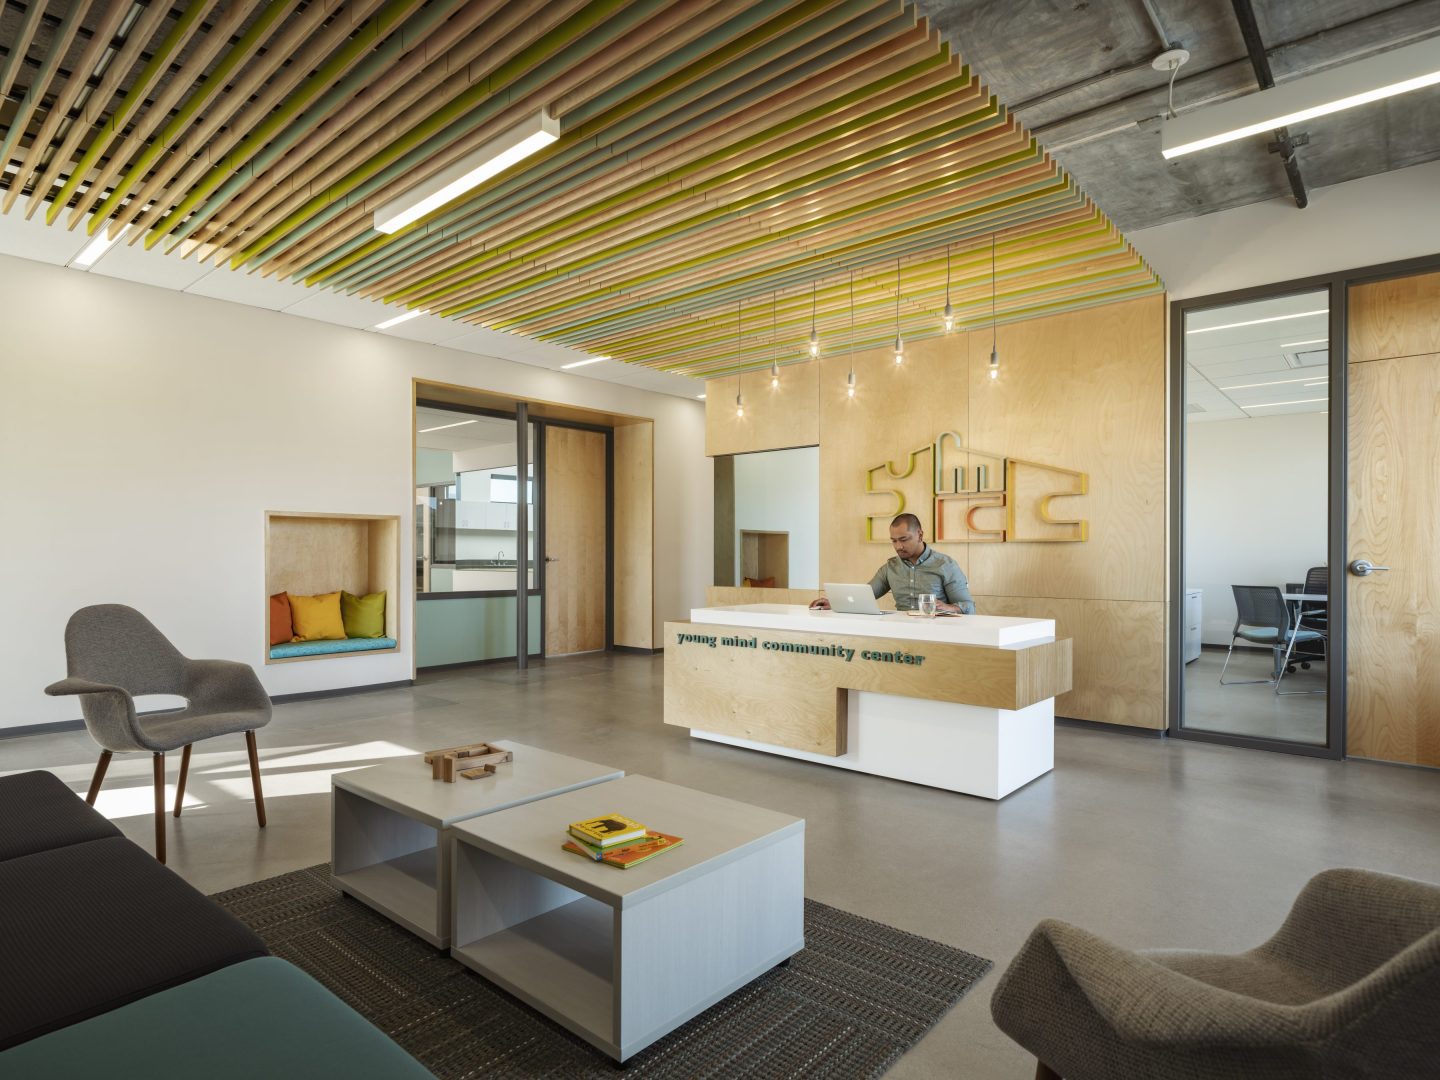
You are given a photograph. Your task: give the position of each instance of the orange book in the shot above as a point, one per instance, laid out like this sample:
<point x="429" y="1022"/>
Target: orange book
<point x="630" y="854"/>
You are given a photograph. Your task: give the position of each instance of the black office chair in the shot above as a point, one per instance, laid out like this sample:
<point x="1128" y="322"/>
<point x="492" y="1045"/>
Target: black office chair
<point x="1264" y="618"/>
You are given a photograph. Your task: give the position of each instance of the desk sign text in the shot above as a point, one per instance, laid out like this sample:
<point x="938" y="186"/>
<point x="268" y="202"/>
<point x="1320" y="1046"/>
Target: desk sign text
<point x="847" y="654"/>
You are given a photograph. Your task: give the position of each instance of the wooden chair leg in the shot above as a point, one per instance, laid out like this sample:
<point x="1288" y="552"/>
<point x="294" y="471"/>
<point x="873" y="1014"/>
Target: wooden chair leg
<point x="184" y="772"/>
<point x="100" y="767"/>
<point x="159" y="759"/>
<point x="255" y="777"/>
<point x="1044" y="1072"/>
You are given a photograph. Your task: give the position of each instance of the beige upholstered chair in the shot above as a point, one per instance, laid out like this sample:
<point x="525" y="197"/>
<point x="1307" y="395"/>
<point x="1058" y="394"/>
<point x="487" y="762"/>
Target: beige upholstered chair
<point x="1349" y="986"/>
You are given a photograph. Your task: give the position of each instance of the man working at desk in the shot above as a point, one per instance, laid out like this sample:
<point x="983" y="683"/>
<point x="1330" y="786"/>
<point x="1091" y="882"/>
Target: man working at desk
<point x="918" y="568"/>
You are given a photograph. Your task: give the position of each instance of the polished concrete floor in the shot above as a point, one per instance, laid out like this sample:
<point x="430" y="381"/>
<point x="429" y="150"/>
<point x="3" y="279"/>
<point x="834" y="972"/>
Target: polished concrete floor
<point x="1148" y="842"/>
<point x="1253" y="708"/>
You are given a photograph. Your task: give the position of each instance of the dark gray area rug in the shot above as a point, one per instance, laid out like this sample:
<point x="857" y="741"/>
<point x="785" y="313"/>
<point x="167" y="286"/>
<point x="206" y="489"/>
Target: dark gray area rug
<point x="856" y="998"/>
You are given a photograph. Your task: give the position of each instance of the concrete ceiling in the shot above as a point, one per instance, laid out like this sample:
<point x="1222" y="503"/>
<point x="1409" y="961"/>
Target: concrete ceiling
<point x="1078" y="74"/>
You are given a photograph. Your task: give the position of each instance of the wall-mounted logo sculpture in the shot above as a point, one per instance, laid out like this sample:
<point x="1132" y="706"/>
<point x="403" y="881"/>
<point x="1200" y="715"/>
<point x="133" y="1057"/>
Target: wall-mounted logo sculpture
<point x="980" y="497"/>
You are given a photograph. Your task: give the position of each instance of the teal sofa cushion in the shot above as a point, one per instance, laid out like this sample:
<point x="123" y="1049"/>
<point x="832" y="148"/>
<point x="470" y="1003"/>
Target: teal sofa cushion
<point x="321" y="648"/>
<point x="259" y="1018"/>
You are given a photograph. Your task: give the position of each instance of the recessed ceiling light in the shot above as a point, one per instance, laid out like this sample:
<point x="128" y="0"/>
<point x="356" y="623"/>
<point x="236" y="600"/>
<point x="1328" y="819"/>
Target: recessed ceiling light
<point x="582" y="363"/>
<point x="1257" y="322"/>
<point x="398" y="319"/>
<point x="525" y="138"/>
<point x="1273" y="404"/>
<point x="1274" y="382"/>
<point x="442" y="427"/>
<point x="1386" y="74"/>
<point x="1297" y="344"/>
<point x="97" y="247"/>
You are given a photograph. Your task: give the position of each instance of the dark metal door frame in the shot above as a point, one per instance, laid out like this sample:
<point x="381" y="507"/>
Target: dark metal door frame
<point x="1338" y="286"/>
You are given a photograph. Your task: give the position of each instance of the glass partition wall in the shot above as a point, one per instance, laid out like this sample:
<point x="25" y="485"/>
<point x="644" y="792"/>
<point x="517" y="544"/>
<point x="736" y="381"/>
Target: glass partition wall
<point x="469" y="534"/>
<point x="1255" y="513"/>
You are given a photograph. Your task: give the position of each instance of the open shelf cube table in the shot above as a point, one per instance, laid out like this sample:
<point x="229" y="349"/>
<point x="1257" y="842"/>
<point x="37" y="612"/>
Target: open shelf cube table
<point x="622" y="957"/>
<point x="388" y="826"/>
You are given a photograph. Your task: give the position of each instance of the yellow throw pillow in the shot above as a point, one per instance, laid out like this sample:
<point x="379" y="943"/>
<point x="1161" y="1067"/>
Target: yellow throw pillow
<point x="317" y="618"/>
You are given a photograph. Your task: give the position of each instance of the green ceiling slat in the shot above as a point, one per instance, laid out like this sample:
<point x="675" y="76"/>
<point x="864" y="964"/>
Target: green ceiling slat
<point x="631" y="133"/>
<point x="820" y="180"/>
<point x="760" y="138"/>
<point x="594" y="26"/>
<point x="767" y="239"/>
<point x="375" y="29"/>
<point x="158" y="62"/>
<point x="726" y="290"/>
<point x="394" y="46"/>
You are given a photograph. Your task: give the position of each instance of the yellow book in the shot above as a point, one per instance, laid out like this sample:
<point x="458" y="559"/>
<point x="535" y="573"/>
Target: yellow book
<point x="607" y="830"/>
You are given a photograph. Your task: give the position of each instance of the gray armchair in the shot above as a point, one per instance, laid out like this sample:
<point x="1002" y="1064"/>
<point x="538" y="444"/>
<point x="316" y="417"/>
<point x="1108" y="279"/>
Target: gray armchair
<point x="113" y="653"/>
<point x="1349" y="986"/>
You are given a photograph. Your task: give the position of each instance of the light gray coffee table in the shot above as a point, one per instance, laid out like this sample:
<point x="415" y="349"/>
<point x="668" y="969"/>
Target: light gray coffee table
<point x="388" y="822"/>
<point x="622" y="957"/>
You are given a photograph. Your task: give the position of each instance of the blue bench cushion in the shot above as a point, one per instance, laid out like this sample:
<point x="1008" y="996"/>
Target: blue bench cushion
<point x="258" y="1018"/>
<point x="323" y="648"/>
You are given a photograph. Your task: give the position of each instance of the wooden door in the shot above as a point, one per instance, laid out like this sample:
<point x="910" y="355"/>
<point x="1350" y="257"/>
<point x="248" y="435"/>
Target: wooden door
<point x="575" y="549"/>
<point x="1393" y="623"/>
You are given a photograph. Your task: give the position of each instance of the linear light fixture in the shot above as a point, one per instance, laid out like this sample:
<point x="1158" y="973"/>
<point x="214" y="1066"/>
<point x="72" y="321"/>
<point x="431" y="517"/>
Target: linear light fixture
<point x="442" y="427"/>
<point x="1257" y="322"/>
<point x="1273" y="382"/>
<point x="398" y="319"/>
<point x="97" y="247"/>
<point x="1273" y="404"/>
<point x="583" y="363"/>
<point x="525" y="138"/>
<point x="1297" y="344"/>
<point x="1386" y="74"/>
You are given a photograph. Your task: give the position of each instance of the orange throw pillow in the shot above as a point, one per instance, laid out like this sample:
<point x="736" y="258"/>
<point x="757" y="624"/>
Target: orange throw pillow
<point x="281" y="628"/>
<point x="760" y="583"/>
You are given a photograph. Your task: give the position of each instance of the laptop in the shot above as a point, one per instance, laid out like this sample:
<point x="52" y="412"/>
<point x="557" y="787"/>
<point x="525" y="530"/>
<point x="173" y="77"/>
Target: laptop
<point x="852" y="599"/>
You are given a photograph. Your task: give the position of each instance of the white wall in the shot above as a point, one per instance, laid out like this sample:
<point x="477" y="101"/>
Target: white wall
<point x="1256" y="508"/>
<point x="143" y="433"/>
<point x="779" y="491"/>
<point x="1375" y="220"/>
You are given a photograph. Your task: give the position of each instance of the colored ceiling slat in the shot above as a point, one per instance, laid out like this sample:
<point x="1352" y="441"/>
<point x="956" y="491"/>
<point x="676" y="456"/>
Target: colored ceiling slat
<point x="711" y="153"/>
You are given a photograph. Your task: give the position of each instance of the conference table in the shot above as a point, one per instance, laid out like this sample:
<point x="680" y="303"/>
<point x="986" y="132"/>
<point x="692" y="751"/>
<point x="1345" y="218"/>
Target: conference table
<point x="965" y="703"/>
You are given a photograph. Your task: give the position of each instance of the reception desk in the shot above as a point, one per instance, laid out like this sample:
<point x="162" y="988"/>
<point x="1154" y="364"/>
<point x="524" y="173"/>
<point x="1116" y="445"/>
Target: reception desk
<point x="966" y="704"/>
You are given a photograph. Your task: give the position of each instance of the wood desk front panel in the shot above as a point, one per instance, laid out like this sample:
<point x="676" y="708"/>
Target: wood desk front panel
<point x="769" y="694"/>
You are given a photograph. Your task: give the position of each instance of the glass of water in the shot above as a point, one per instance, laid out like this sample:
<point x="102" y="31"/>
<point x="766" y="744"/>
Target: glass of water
<point x="925" y="604"/>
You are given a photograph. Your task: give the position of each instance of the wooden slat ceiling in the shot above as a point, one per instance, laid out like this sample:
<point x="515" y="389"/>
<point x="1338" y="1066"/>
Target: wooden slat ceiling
<point x="721" y="163"/>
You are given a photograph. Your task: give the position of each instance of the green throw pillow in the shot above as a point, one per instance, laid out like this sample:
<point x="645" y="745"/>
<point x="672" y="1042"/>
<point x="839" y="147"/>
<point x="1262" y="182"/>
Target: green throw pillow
<point x="364" y="616"/>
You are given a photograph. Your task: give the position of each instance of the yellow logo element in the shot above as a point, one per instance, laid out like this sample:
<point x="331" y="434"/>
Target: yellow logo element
<point x="980" y="497"/>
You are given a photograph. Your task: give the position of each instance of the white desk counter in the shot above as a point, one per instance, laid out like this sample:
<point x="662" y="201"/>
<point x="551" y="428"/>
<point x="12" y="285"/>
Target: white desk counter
<point x="963" y="703"/>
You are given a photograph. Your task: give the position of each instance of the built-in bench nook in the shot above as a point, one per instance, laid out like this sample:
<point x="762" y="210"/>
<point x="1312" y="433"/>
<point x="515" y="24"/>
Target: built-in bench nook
<point x="311" y="554"/>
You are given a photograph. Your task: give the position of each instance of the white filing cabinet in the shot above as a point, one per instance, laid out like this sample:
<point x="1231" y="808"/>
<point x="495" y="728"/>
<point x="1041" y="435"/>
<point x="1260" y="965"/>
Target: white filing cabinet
<point x="1192" y="625"/>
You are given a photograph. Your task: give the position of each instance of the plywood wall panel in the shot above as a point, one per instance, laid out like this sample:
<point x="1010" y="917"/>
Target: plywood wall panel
<point x="1082" y="391"/>
<point x="776" y="417"/>
<point x="1119" y="655"/>
<point x="1397" y="317"/>
<point x="634" y="555"/>
<point x="575" y="541"/>
<point x="896" y="409"/>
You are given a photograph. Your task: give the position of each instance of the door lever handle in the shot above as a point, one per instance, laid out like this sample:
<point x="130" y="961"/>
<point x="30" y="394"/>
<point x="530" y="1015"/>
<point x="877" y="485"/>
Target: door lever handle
<point x="1364" y="568"/>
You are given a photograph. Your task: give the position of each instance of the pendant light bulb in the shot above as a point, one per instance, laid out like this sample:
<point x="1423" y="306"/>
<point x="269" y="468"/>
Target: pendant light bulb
<point x="739" y="405"/>
<point x="899" y="342"/>
<point x="994" y="338"/>
<point x="814" y="334"/>
<point x="850" y="345"/>
<point x="948" y="318"/>
<point x="994" y="364"/>
<point x="774" y="374"/>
